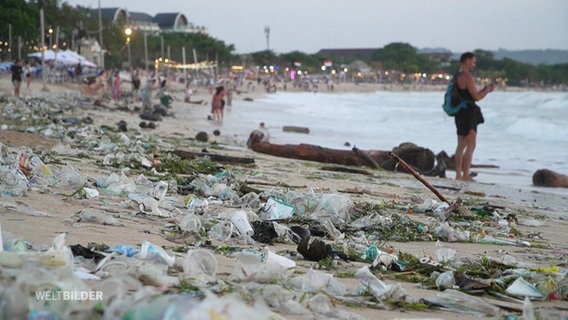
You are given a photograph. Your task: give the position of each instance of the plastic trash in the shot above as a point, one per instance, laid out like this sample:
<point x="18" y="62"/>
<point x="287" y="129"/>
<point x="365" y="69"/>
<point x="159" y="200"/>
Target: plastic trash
<point x="427" y="205"/>
<point x="445" y="255"/>
<point x="91" y="193"/>
<point x="200" y="264"/>
<point x="375" y="286"/>
<point x="160" y="190"/>
<point x="150" y="206"/>
<point x="335" y="207"/>
<point x="302" y="203"/>
<point x="228" y="194"/>
<point x="381" y="257"/>
<point x="190" y="222"/>
<point x="251" y="201"/>
<point x="149" y="251"/>
<point x="221" y="231"/>
<point x="528" y="310"/>
<point x="446" y="280"/>
<point x="276" y="209"/>
<point x="11" y="259"/>
<point x="128" y="251"/>
<point x="240" y="220"/>
<point x="58" y="254"/>
<point x="331" y="230"/>
<point x="523" y="288"/>
<point x="316" y="281"/>
<point x="71" y="177"/>
<point x="264" y="266"/>
<point x="461" y="302"/>
<point x="13" y="182"/>
<point x="446" y="232"/>
<point x="92" y="216"/>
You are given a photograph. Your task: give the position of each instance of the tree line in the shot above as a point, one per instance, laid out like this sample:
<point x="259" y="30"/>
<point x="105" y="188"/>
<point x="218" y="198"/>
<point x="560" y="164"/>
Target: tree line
<point x="21" y="21"/>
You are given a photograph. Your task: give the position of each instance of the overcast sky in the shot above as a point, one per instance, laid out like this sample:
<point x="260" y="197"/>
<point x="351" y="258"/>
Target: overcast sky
<point x="311" y="25"/>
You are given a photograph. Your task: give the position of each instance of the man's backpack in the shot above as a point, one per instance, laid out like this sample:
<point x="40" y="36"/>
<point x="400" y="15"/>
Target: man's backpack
<point x="453" y="102"/>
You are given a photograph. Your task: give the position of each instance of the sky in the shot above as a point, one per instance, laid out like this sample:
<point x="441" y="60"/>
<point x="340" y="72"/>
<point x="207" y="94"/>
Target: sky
<point x="311" y="25"/>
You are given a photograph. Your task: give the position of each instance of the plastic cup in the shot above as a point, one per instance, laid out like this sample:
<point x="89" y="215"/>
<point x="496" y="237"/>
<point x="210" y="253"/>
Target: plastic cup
<point x="160" y="190"/>
<point x="201" y="264"/>
<point x="152" y="252"/>
<point x="240" y="220"/>
<point x="150" y="206"/>
<point x="274" y="260"/>
<point x="190" y="222"/>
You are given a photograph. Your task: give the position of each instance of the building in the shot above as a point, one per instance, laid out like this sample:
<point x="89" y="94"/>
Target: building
<point x="140" y="22"/>
<point x="161" y="22"/>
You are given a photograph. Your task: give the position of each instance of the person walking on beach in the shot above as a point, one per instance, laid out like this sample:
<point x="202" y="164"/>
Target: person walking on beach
<point x="230" y="90"/>
<point x="28" y="75"/>
<point x="135" y="81"/>
<point x="467" y="119"/>
<point x="188" y="92"/>
<point x="146" y="95"/>
<point x="217" y="104"/>
<point x="17" y="70"/>
<point x="116" y="91"/>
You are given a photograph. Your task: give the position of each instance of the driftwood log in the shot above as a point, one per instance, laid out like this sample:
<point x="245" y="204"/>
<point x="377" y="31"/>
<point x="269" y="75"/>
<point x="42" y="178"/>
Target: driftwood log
<point x="420" y="159"/>
<point x="549" y="178"/>
<point x="296" y="129"/>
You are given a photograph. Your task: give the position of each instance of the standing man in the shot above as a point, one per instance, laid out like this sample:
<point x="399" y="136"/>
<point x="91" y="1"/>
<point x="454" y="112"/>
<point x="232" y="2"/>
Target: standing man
<point x="17" y="76"/>
<point x="468" y="118"/>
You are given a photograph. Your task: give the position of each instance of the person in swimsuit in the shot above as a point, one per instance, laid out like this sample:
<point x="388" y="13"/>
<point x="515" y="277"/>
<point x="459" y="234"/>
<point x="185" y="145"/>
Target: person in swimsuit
<point x="468" y="118"/>
<point x="218" y="103"/>
<point x="17" y="70"/>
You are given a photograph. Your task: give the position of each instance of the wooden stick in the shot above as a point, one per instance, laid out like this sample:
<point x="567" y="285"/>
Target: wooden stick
<point x="417" y="176"/>
<point x="214" y="157"/>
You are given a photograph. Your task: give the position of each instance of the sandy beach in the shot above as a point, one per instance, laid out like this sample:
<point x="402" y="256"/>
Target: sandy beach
<point x="540" y="224"/>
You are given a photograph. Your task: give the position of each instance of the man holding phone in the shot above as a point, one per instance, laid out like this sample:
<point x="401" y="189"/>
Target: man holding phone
<point x="468" y="118"/>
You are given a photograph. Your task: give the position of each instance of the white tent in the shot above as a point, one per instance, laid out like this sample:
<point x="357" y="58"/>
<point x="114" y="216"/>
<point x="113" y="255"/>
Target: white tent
<point x="66" y="57"/>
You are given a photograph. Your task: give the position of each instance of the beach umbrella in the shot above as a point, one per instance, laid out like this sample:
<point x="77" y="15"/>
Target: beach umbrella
<point x="84" y="61"/>
<point x="65" y="57"/>
<point x="49" y="55"/>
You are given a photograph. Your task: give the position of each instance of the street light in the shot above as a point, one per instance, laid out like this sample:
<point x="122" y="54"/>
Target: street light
<point x="128" y="32"/>
<point x="50" y="31"/>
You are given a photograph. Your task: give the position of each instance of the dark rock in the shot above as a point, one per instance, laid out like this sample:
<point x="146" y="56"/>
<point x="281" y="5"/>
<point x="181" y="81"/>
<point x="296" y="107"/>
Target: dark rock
<point x="202" y="136"/>
<point x="122" y="126"/>
<point x="549" y="178"/>
<point x="150" y="116"/>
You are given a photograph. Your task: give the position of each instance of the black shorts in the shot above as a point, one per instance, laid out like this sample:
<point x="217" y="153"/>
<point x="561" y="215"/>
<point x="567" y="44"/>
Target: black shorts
<point x="467" y="119"/>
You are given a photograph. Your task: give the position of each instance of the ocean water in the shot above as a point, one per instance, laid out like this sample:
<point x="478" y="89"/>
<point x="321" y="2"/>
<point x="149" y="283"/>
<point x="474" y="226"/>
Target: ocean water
<point x="523" y="131"/>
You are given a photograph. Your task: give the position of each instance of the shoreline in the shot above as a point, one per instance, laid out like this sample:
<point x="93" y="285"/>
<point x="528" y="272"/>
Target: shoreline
<point x="396" y="192"/>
